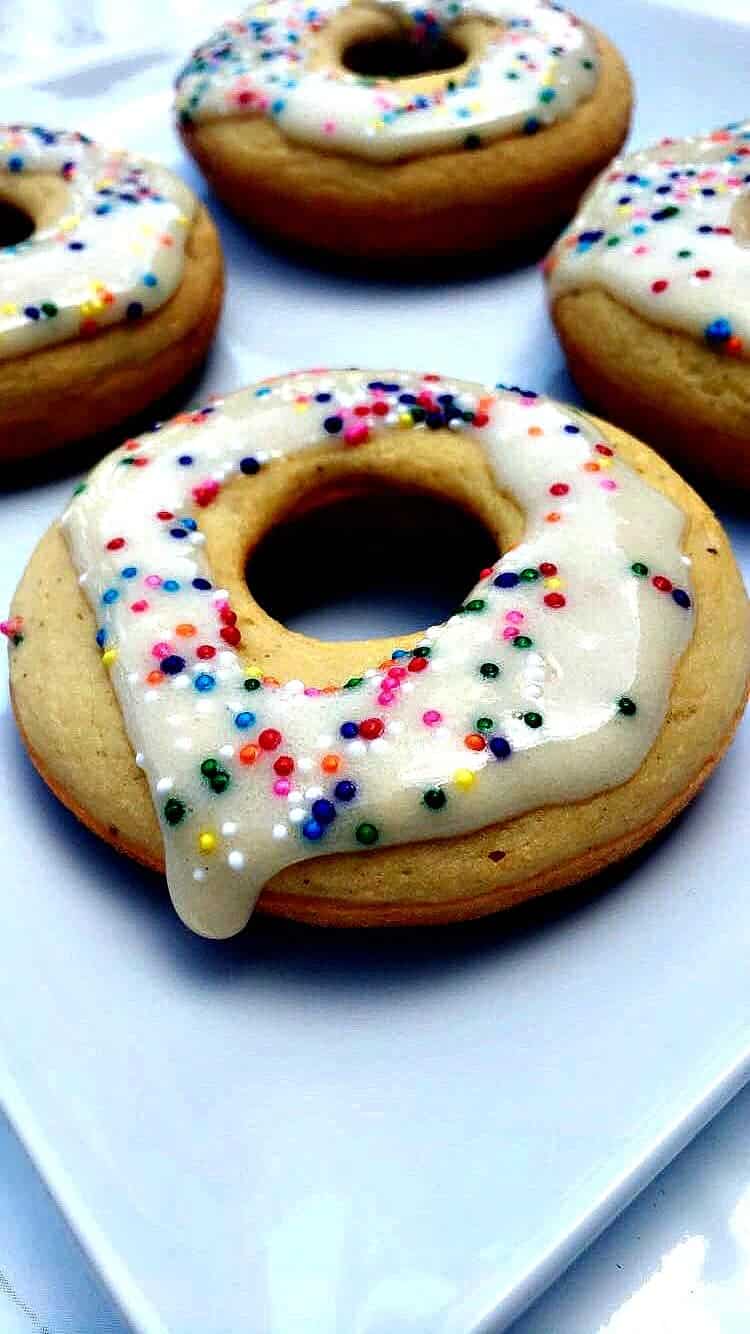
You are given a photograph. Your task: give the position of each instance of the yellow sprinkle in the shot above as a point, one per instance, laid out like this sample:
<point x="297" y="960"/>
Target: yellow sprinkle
<point x="86" y="308"/>
<point x="68" y="224"/>
<point x="96" y="306"/>
<point x="464" y="779"/>
<point x="625" y="210"/>
<point x="8" y="308"/>
<point x="183" y="219"/>
<point x="301" y="407"/>
<point x="404" y="420"/>
<point x="109" y="656"/>
<point x="206" y="841"/>
<point x="605" y="462"/>
<point x="553" y="582"/>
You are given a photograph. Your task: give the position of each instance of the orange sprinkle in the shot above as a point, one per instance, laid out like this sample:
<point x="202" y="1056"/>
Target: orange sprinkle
<point x="330" y="763"/>
<point x="155" y="677"/>
<point x="474" y="741"/>
<point x="553" y="517"/>
<point x="185" y="629"/>
<point x="591" y="467"/>
<point x="535" y="430"/>
<point x="733" y="346"/>
<point x="249" y="753"/>
<point x="270" y="681"/>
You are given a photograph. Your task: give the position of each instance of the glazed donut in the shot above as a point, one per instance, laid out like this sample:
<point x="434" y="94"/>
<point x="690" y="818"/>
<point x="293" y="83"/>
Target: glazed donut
<point x="502" y="116"/>
<point x="650" y="294"/>
<point x="110" y="301"/>
<point x="550" y="726"/>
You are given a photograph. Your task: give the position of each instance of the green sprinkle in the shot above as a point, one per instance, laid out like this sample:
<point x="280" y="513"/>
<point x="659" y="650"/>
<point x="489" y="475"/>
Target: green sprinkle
<point x="626" y="706"/>
<point x="489" y="670"/>
<point x="209" y="768"/>
<point x="529" y="574"/>
<point x="252" y="683"/>
<point x="639" y="568"/>
<point x="434" y="798"/>
<point x="366" y="834"/>
<point x="476" y="604"/>
<point x="533" y="719"/>
<point x="353" y="682"/>
<point x="174" y="810"/>
<point x="484" y="724"/>
<point x="522" y="641"/>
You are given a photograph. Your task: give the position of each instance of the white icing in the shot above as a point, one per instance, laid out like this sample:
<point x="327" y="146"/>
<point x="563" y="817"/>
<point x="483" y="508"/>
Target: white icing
<point x="689" y="270"/>
<point x="113" y="250"/>
<point x="536" y="65"/>
<point x="617" y="636"/>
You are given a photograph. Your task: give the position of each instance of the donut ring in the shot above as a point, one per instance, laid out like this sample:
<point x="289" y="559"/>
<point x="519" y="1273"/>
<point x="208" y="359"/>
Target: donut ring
<point x="300" y="146"/>
<point x="553" y="725"/>
<point x="113" y="298"/>
<point x="649" y="291"/>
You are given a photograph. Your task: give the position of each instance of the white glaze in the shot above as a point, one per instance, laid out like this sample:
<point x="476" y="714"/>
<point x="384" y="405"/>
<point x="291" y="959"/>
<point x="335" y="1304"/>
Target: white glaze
<point x="710" y="283"/>
<point x="538" y="64"/>
<point x="617" y="636"/>
<point x="92" y="265"/>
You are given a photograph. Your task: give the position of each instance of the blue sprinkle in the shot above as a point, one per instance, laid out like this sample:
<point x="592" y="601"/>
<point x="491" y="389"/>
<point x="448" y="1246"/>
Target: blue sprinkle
<point x="202" y="584"/>
<point x="110" y="595"/>
<point x="150" y="280"/>
<point x="244" y="720"/>
<point x="170" y="586"/>
<point x="324" y="812"/>
<point x="312" y="830"/>
<point x="101" y="637"/>
<point x="129" y="571"/>
<point x="506" y="580"/>
<point x="185" y="460"/>
<point x="172" y="664"/>
<point x="681" y="598"/>
<point x="500" y="747"/>
<point x="348" y="730"/>
<point x="345" y="790"/>
<point x="178" y="532"/>
<point x="203" y="681"/>
<point x="249" y="466"/>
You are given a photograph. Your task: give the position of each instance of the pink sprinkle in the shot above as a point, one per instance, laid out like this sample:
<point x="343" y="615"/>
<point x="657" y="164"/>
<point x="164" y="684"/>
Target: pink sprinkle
<point x="510" y="632"/>
<point x="607" y="484"/>
<point x="329" y="127"/>
<point x="431" y="717"/>
<point x="282" y="787"/>
<point x="515" y="617"/>
<point x="640" y="250"/>
<point x="385" y="698"/>
<point x="356" y="434"/>
<point x="152" y="581"/>
<point x="312" y="691"/>
<point x="140" y="605"/>
<point x="161" y="650"/>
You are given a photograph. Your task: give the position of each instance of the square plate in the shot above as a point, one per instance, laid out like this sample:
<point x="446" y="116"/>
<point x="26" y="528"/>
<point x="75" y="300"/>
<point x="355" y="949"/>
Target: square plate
<point x="306" y="1132"/>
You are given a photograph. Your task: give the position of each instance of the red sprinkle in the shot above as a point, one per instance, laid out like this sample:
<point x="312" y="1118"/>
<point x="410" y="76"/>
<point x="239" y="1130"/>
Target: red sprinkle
<point x="115" y="543"/>
<point x="370" y="728"/>
<point x="663" y="584"/>
<point x="554" y="600"/>
<point x="269" y="739"/>
<point x="559" y="489"/>
<point x="417" y="664"/>
<point x="205" y="651"/>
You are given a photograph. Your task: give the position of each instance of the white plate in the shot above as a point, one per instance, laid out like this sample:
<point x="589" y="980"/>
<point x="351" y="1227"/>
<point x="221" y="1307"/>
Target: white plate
<point x="316" y="1133"/>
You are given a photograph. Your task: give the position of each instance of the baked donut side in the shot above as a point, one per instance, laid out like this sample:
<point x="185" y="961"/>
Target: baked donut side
<point x="504" y="192"/>
<point x="74" y="729"/>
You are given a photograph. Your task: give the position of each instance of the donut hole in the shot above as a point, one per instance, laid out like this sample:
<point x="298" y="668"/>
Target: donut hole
<point x="369" y="566"/>
<point x="16" y="224"/>
<point x="399" y="58"/>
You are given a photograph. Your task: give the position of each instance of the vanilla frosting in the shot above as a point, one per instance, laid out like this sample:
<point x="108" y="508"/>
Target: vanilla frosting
<point x="112" y="251"/>
<point x="536" y="64"/>
<point x="550" y="684"/>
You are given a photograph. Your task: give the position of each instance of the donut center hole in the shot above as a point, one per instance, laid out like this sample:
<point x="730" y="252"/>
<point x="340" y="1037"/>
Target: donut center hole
<point x="372" y="566"/>
<point x="15" y="224"/>
<point x="399" y="58"/>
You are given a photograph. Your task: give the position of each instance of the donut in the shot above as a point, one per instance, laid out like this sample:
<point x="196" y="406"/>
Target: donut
<point x="650" y="294"/>
<point x="376" y="130"/>
<point x="110" y="287"/>
<point x="574" y="702"/>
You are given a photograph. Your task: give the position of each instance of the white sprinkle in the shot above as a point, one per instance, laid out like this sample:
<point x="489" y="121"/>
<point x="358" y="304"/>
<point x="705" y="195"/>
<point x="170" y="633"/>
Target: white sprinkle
<point x="407" y="687"/>
<point x="236" y="860"/>
<point x="83" y="577"/>
<point x="394" y="728"/>
<point x="132" y="678"/>
<point x="229" y="828"/>
<point x="279" y="831"/>
<point x="165" y="784"/>
<point x="304" y="764"/>
<point x="197" y="539"/>
<point x="356" y="747"/>
<point x="296" y="814"/>
<point x="312" y="793"/>
<point x="227" y="751"/>
<point x="379" y="745"/>
<point x="294" y="795"/>
<point x="180" y="682"/>
<point x="139" y="758"/>
<point x="199" y="873"/>
<point x="294" y="687"/>
<point x="324" y="741"/>
<point x="227" y="659"/>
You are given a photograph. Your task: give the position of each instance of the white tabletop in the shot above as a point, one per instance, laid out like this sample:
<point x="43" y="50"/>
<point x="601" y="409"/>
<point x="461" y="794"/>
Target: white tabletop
<point x="677" y="1260"/>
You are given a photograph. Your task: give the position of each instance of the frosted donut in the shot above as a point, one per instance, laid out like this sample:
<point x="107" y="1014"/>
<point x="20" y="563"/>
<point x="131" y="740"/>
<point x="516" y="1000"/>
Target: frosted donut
<point x="111" y="299"/>
<point x="379" y="130"/>
<point x="550" y="726"/>
<point x="650" y="294"/>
